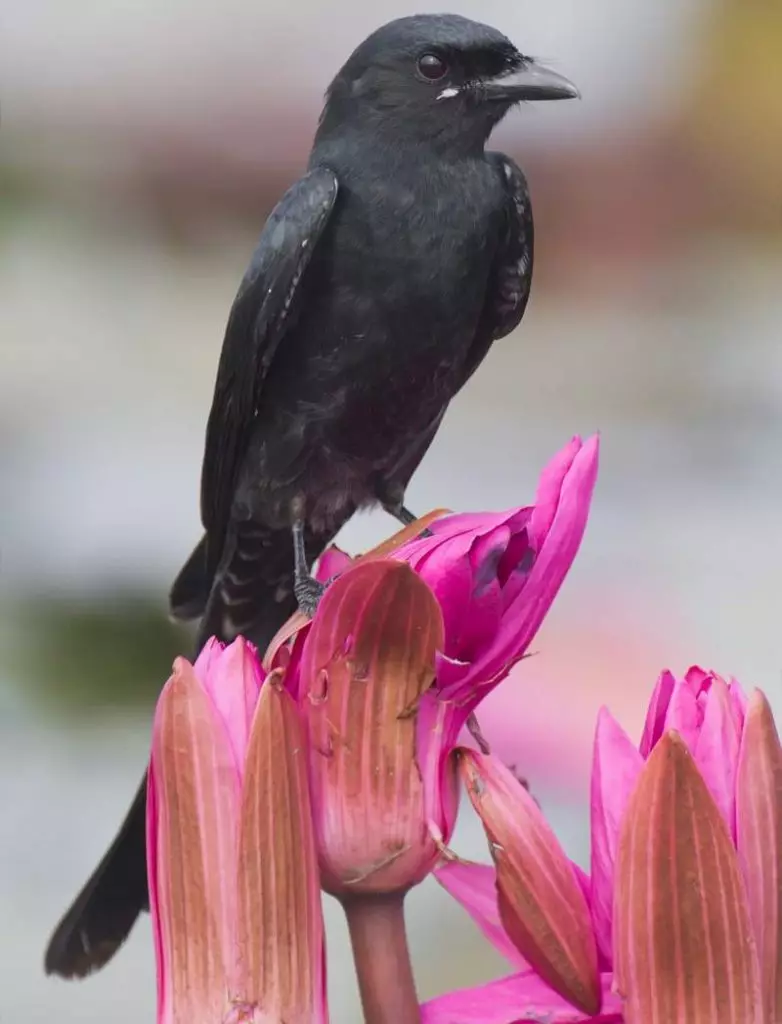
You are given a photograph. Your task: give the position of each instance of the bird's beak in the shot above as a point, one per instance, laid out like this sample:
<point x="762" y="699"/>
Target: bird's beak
<point x="531" y="82"/>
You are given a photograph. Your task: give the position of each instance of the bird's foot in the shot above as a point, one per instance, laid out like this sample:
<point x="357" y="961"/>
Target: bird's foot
<point x="309" y="592"/>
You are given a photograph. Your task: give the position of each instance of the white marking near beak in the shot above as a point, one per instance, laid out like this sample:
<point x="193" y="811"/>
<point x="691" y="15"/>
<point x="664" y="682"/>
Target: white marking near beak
<point x="449" y="93"/>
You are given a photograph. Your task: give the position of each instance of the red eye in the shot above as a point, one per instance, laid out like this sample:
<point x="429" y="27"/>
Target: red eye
<point x="431" y="67"/>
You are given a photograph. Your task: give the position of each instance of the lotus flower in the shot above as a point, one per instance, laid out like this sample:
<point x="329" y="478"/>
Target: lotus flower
<point x="696" y="919"/>
<point x="234" y="890"/>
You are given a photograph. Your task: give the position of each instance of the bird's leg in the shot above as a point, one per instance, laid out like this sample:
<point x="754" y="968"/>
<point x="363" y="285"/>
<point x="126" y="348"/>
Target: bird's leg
<point x="307" y="589"/>
<point x="404" y="515"/>
<point x="393" y="504"/>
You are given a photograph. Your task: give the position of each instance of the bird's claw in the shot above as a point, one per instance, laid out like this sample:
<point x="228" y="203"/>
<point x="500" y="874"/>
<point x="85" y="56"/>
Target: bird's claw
<point x="309" y="592"/>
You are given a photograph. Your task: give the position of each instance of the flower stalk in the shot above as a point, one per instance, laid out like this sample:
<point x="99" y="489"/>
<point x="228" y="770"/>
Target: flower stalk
<point x="382" y="958"/>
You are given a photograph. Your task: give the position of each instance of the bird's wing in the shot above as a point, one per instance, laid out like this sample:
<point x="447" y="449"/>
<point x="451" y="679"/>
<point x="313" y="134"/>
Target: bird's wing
<point x="510" y="277"/>
<point x="256" y="325"/>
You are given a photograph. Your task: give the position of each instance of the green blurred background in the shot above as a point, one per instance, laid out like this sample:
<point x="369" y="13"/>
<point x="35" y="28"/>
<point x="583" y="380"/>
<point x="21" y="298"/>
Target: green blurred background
<point x="141" y="147"/>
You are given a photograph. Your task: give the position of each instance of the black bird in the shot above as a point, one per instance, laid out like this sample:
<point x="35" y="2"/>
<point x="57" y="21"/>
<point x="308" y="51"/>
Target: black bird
<point x="379" y="283"/>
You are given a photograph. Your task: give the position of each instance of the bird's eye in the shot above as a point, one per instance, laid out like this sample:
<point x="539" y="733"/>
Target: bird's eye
<point x="431" y="67"/>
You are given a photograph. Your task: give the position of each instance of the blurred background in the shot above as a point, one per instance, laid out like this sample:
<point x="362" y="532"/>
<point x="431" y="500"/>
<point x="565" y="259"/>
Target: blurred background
<point x="142" y="145"/>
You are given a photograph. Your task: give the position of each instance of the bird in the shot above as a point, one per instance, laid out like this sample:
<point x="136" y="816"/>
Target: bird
<point x="379" y="283"/>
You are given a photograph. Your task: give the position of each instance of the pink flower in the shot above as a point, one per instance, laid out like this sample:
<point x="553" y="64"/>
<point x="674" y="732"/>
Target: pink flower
<point x="494" y="576"/>
<point x="708" y="714"/>
<point x="234" y="890"/>
<point x="695" y="917"/>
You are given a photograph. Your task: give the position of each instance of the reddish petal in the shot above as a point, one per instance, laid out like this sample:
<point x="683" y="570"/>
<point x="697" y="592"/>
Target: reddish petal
<point x="196" y="803"/>
<point x="759" y="836"/>
<point x="542" y="905"/>
<point x="279" y="935"/>
<point x="683" y="944"/>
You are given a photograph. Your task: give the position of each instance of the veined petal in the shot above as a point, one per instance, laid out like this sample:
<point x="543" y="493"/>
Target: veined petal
<point x="616" y="766"/>
<point x="759" y="838"/>
<point x="279" y="945"/>
<point x="368" y="658"/>
<point x="474" y="886"/>
<point x="542" y="906"/>
<point x="683" y="944"/>
<point x="195" y="789"/>
<point x="522" y="998"/>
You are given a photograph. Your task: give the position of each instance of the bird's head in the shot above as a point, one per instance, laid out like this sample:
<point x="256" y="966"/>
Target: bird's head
<point x="441" y="79"/>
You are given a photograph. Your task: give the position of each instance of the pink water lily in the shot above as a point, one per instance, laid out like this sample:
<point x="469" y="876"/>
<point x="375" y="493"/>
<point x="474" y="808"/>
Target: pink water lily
<point x="234" y="889"/>
<point x="495" y="575"/>
<point x="709" y="714"/>
<point x="691" y="908"/>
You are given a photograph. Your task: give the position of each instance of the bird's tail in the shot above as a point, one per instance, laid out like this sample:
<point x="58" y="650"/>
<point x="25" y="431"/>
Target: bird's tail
<point x="251" y="594"/>
<point x="190" y="590"/>
<point x="101" y="916"/>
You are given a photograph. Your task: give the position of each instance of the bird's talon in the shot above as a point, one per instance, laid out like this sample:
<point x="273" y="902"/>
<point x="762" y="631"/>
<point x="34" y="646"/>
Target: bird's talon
<point x="309" y="592"/>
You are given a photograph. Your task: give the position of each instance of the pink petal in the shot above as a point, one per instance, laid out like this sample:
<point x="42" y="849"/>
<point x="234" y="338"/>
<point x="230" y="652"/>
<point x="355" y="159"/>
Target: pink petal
<point x="520" y="999"/>
<point x="484" y="612"/>
<point x="526" y="612"/>
<point x="759" y="837"/>
<point x="717" y="749"/>
<point x="738" y="700"/>
<point x="616" y="766"/>
<point x="685" y="713"/>
<point x="331" y="563"/>
<point x="549" y="491"/>
<point x="446" y="569"/>
<point x="474" y="886"/>
<point x="658" y="709"/>
<point x="232" y="677"/>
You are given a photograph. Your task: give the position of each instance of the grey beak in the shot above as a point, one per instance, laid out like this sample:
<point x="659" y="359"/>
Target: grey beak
<point x="532" y="82"/>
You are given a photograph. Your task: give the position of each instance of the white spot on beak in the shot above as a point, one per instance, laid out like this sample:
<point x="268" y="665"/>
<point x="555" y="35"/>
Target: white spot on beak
<point x="449" y="93"/>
